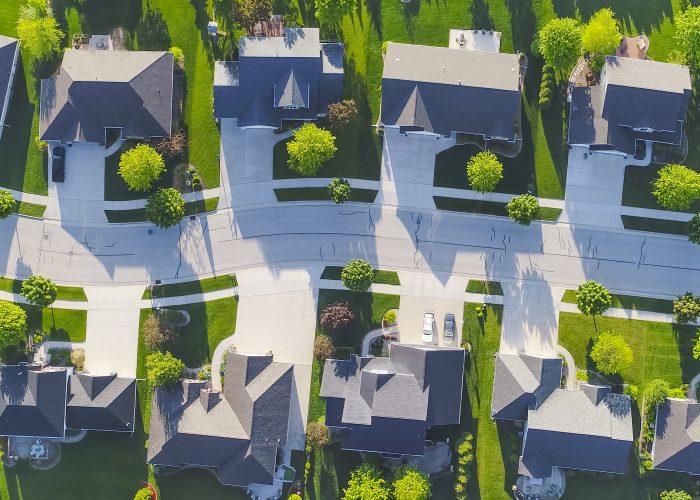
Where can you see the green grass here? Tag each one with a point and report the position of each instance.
(636, 191)
(630, 302)
(61, 324)
(64, 292)
(380, 277)
(190, 287)
(488, 208)
(655, 225)
(485, 287)
(139, 214)
(321, 193)
(30, 209)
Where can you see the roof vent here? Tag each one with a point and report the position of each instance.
(444, 68)
(459, 82)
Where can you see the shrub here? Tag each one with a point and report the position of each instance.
(339, 190)
(77, 358)
(165, 208)
(366, 483)
(677, 392)
(38, 30)
(40, 145)
(357, 275)
(676, 187)
(656, 391)
(674, 495)
(163, 369)
(484, 171)
(390, 317)
(157, 335)
(686, 308)
(13, 324)
(546, 86)
(39, 291)
(631, 391)
(465, 457)
(179, 56)
(592, 298)
(411, 484)
(140, 167)
(173, 146)
(310, 147)
(523, 209)
(582, 376)
(7, 203)
(610, 353)
(645, 462)
(317, 435)
(323, 347)
(694, 229)
(342, 114)
(337, 317)
(143, 494)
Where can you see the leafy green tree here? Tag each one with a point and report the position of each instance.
(632, 391)
(317, 435)
(411, 484)
(484, 171)
(694, 229)
(310, 148)
(339, 190)
(7, 203)
(674, 495)
(140, 167)
(686, 308)
(560, 43)
(601, 36)
(330, 12)
(687, 34)
(38, 30)
(143, 494)
(696, 347)
(610, 353)
(253, 11)
(165, 208)
(366, 483)
(656, 391)
(357, 275)
(523, 209)
(39, 291)
(676, 187)
(13, 324)
(163, 368)
(178, 56)
(593, 299)
(341, 114)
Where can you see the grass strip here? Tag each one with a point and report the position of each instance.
(380, 277)
(485, 287)
(655, 225)
(488, 208)
(190, 287)
(321, 193)
(630, 302)
(64, 292)
(30, 209)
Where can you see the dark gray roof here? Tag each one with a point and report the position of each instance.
(98, 89)
(237, 432)
(275, 72)
(8, 54)
(388, 403)
(33, 401)
(677, 441)
(522, 383)
(444, 90)
(570, 430)
(101, 402)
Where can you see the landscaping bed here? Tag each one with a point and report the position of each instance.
(485, 287)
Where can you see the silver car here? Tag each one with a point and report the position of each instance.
(428, 322)
(448, 333)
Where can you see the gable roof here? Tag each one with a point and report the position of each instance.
(101, 402)
(237, 432)
(98, 89)
(8, 59)
(590, 429)
(522, 383)
(677, 436)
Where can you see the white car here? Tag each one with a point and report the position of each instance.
(428, 328)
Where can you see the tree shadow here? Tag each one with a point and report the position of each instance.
(152, 32)
(481, 18)
(374, 9)
(523, 24)
(630, 13)
(105, 15)
(553, 124)
(685, 340)
(564, 8)
(510, 445)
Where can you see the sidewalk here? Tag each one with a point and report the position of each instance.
(467, 194)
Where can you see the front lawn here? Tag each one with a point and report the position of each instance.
(64, 292)
(636, 191)
(68, 325)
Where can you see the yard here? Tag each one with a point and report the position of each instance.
(61, 324)
(205, 285)
(630, 302)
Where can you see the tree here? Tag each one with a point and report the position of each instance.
(694, 229)
(656, 391)
(676, 187)
(339, 190)
(157, 335)
(592, 298)
(366, 483)
(323, 347)
(686, 308)
(165, 208)
(411, 484)
(560, 43)
(317, 435)
(39, 291)
(140, 167)
(687, 35)
(674, 495)
(341, 114)
(310, 147)
(601, 37)
(330, 12)
(484, 171)
(523, 209)
(696, 346)
(357, 275)
(143, 494)
(13, 324)
(252, 11)
(7, 203)
(38, 30)
(163, 368)
(610, 353)
(337, 317)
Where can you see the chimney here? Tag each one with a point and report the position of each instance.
(191, 388)
(209, 399)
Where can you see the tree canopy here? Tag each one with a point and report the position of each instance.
(592, 298)
(330, 12)
(339, 190)
(601, 36)
(411, 484)
(252, 11)
(341, 114)
(39, 291)
(523, 209)
(323, 347)
(38, 30)
(140, 167)
(165, 208)
(143, 494)
(560, 42)
(7, 203)
(13, 324)
(357, 275)
(610, 353)
(163, 368)
(310, 147)
(656, 391)
(366, 483)
(687, 34)
(484, 171)
(694, 229)
(317, 434)
(686, 308)
(676, 187)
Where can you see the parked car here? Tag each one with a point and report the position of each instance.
(448, 333)
(428, 322)
(58, 164)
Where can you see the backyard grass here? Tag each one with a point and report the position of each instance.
(61, 324)
(64, 292)
(139, 214)
(488, 208)
(655, 225)
(485, 287)
(380, 277)
(190, 287)
(321, 193)
(630, 302)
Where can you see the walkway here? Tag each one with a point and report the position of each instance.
(633, 314)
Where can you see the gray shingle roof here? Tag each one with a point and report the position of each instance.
(522, 383)
(444, 90)
(677, 441)
(237, 432)
(98, 89)
(101, 402)
(570, 430)
(8, 53)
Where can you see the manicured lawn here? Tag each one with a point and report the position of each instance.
(485, 287)
(312, 193)
(64, 292)
(655, 225)
(380, 277)
(139, 214)
(630, 302)
(190, 287)
(30, 209)
(637, 188)
(61, 324)
(488, 208)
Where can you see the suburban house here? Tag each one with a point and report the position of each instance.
(9, 55)
(522, 383)
(386, 405)
(449, 91)
(589, 429)
(97, 94)
(677, 436)
(293, 77)
(637, 101)
(240, 434)
(43, 402)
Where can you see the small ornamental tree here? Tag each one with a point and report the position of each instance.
(560, 43)
(330, 12)
(140, 167)
(7, 203)
(38, 30)
(484, 171)
(163, 369)
(676, 187)
(341, 114)
(178, 56)
(686, 308)
(339, 190)
(39, 291)
(656, 391)
(674, 495)
(323, 347)
(357, 275)
(610, 353)
(523, 209)
(337, 317)
(310, 148)
(411, 484)
(366, 483)
(13, 324)
(165, 208)
(601, 37)
(687, 34)
(592, 298)
(143, 494)
(317, 435)
(157, 335)
(694, 229)
(253, 11)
